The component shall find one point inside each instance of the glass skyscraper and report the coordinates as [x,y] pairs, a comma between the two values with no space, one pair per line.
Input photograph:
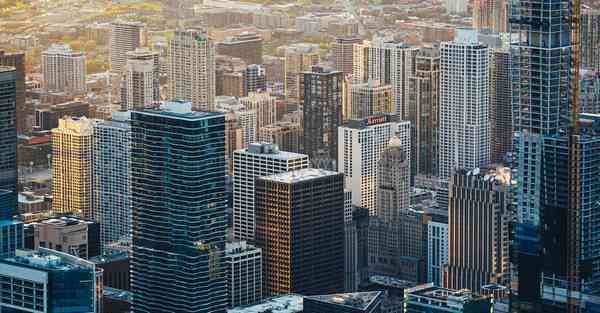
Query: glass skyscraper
[8,131]
[179,220]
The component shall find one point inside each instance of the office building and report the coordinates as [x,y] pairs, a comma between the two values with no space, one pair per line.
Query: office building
[478,228]
[115,268]
[17,60]
[393,181]
[286,135]
[259,159]
[255,79]
[321,107]
[141,80]
[343,53]
[589,91]
[234,139]
[265,106]
[590,38]
[246,46]
[423,112]
[8,132]
[190,184]
[191,73]
[124,37]
[464,133]
[370,98]
[301,255]
[357,302]
[72,143]
[298,58]
[63,70]
[437,246]
[74,236]
[360,144]
[47,116]
[432,299]
[49,281]
[501,117]
[11,231]
[243,263]
[244,118]
[490,15]
[111,185]
[356,249]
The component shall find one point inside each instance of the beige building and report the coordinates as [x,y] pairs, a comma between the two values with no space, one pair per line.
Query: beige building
[72,166]
[70,235]
[298,58]
[366,99]
[286,135]
[265,106]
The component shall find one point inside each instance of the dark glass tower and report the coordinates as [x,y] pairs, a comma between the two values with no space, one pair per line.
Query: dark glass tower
[179,220]
[8,131]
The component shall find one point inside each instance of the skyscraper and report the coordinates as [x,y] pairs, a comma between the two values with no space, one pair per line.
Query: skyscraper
[265,106]
[590,38]
[478,228]
[300,254]
[17,60]
[464,135]
[356,253]
[72,143]
[423,112]
[501,115]
[255,79]
[259,159]
[298,58]
[8,132]
[286,135]
[393,181]
[192,68]
[360,144]
[490,14]
[343,53]
[63,70]
[179,223]
[111,187]
[437,247]
[243,264]
[456,6]
[321,103]
[370,98]
[124,37]
[140,84]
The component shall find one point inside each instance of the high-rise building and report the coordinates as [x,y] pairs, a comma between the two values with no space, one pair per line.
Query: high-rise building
[356,302]
[255,79]
[286,135]
[356,249]
[244,118]
[17,60]
[300,254]
[360,144]
[321,106]
[111,187]
[141,80]
[343,53]
[191,72]
[298,58]
[464,133]
[501,117]
[74,236]
[243,263]
[590,38]
[478,228]
[124,37]
[8,132]
[456,6]
[437,247]
[72,144]
[393,181]
[490,14]
[423,112]
[433,299]
[47,116]
[246,46]
[265,106]
[259,159]
[370,98]
[63,70]
[11,231]
[179,220]
[589,88]
[50,281]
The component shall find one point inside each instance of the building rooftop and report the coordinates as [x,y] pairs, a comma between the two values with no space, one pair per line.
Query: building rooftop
[179,109]
[117,294]
[48,260]
[300,175]
[7,69]
[389,281]
[281,304]
[433,292]
[271,151]
[357,300]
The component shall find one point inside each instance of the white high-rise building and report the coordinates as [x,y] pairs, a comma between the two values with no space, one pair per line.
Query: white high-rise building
[259,159]
[191,73]
[63,70]
[437,251]
[464,133]
[246,119]
[124,37]
[243,267]
[111,187]
[360,144]
[265,106]
[140,84]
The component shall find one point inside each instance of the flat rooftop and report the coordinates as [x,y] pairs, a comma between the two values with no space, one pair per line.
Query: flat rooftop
[300,175]
[356,300]
[281,304]
[271,151]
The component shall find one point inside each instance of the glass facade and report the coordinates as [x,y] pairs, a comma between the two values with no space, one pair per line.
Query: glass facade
[179,221]
[8,131]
